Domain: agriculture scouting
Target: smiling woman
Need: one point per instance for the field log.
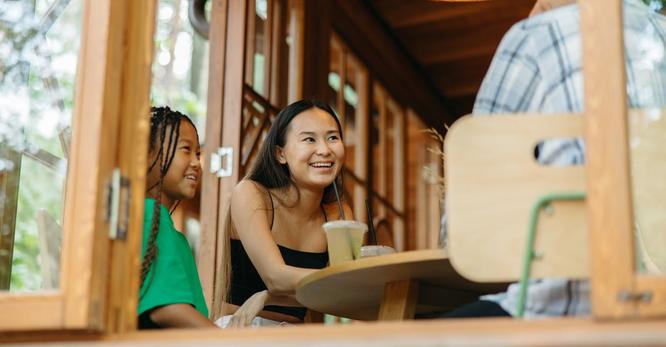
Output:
(273, 232)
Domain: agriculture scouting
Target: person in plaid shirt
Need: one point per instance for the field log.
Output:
(537, 69)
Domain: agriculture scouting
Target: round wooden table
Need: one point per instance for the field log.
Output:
(390, 287)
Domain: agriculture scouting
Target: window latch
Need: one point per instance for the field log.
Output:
(222, 155)
(117, 205)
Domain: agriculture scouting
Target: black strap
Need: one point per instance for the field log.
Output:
(272, 208)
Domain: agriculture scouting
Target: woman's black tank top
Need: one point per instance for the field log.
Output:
(245, 280)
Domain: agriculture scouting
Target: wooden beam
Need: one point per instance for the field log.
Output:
(210, 185)
(402, 14)
(609, 201)
(134, 111)
(432, 49)
(369, 38)
(231, 124)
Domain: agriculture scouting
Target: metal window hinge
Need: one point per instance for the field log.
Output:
(223, 154)
(117, 205)
(626, 296)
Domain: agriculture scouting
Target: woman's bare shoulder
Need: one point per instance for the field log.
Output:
(249, 191)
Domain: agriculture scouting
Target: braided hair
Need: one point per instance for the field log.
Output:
(163, 120)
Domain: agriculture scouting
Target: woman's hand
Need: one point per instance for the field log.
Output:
(250, 309)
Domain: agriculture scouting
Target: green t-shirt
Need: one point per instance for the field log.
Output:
(173, 276)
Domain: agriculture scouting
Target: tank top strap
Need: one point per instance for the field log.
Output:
(270, 196)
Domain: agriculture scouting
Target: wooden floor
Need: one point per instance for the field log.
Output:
(471, 332)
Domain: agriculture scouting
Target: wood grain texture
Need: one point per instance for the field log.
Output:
(134, 110)
(399, 302)
(356, 289)
(492, 182)
(609, 202)
(210, 185)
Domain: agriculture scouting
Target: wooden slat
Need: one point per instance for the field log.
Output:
(268, 49)
(400, 177)
(210, 185)
(133, 135)
(231, 124)
(492, 183)
(401, 14)
(30, 311)
(9, 187)
(296, 29)
(360, 150)
(461, 332)
(250, 44)
(609, 204)
(656, 286)
(95, 123)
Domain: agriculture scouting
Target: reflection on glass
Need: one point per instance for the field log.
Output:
(39, 44)
(180, 67)
(180, 79)
(644, 35)
(351, 105)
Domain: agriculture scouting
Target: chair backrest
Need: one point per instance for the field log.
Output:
(492, 182)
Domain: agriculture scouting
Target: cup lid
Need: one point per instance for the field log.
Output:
(345, 224)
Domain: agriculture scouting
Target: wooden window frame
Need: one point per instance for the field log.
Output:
(617, 290)
(113, 80)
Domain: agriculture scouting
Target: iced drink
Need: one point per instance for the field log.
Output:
(344, 238)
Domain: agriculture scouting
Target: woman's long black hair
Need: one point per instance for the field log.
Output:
(163, 120)
(270, 173)
(266, 169)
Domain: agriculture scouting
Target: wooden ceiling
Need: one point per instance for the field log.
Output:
(452, 43)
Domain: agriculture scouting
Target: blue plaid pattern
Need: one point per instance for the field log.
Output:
(537, 69)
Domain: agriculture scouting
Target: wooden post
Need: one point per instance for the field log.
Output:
(232, 121)
(210, 185)
(607, 160)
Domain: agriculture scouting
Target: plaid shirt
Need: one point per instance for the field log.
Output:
(537, 69)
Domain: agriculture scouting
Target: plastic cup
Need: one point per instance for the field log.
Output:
(344, 238)
(372, 250)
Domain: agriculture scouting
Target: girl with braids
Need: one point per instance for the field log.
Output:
(273, 232)
(170, 294)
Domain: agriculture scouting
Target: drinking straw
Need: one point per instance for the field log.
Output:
(337, 197)
(371, 223)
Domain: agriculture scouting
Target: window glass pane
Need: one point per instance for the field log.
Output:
(334, 77)
(644, 35)
(390, 167)
(39, 44)
(180, 81)
(180, 67)
(376, 109)
(351, 105)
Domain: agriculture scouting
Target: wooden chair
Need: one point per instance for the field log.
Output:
(496, 189)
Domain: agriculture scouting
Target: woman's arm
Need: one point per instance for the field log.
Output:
(179, 316)
(250, 217)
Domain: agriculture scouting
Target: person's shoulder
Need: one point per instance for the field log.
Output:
(248, 190)
(564, 16)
